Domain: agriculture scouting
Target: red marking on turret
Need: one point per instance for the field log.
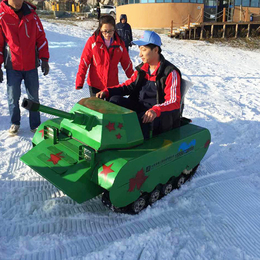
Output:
(120, 125)
(111, 126)
(106, 170)
(55, 158)
(42, 131)
(137, 181)
(118, 136)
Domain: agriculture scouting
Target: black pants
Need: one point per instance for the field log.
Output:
(156, 126)
(93, 91)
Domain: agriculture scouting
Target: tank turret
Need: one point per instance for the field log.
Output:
(99, 124)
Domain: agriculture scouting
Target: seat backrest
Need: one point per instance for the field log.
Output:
(185, 85)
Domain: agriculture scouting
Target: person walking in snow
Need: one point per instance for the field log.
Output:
(102, 53)
(125, 31)
(154, 90)
(98, 10)
(22, 44)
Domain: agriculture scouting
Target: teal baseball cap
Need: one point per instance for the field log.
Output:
(149, 37)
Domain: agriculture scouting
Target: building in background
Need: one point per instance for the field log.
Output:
(158, 14)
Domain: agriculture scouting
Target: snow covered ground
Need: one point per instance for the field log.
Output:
(215, 216)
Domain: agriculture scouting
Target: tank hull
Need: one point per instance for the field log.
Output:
(125, 173)
(155, 162)
(99, 148)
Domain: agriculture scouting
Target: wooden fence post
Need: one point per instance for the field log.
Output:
(212, 31)
(236, 31)
(224, 15)
(202, 14)
(201, 32)
(246, 18)
(224, 30)
(248, 31)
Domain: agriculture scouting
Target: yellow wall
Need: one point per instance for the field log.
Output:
(158, 15)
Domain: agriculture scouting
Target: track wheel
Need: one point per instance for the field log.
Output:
(193, 171)
(166, 188)
(138, 205)
(181, 180)
(105, 199)
(154, 196)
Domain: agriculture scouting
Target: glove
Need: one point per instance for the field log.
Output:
(79, 87)
(45, 67)
(130, 44)
(1, 76)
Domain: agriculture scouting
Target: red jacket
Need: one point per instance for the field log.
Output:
(23, 41)
(103, 62)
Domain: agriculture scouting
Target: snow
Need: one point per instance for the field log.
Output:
(214, 216)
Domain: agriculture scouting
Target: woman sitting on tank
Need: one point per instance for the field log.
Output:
(102, 53)
(154, 89)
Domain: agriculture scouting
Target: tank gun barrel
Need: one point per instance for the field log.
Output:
(34, 106)
(75, 117)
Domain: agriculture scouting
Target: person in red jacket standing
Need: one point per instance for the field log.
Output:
(22, 44)
(102, 53)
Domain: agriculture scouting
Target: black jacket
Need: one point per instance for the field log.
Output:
(124, 30)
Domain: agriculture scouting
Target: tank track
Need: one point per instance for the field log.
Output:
(149, 198)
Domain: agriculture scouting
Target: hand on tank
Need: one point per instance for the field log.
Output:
(149, 116)
(101, 94)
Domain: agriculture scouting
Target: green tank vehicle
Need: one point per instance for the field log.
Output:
(98, 148)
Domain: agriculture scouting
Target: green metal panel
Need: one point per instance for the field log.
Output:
(94, 122)
(165, 157)
(66, 172)
(39, 135)
(112, 127)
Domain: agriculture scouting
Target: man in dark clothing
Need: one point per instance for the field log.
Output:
(98, 11)
(124, 30)
(154, 89)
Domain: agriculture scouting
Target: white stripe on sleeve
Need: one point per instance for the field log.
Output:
(173, 90)
(42, 45)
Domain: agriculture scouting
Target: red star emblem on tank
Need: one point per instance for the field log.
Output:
(137, 181)
(120, 125)
(106, 170)
(55, 158)
(110, 126)
(42, 132)
(118, 136)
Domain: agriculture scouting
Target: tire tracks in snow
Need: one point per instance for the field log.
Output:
(95, 232)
